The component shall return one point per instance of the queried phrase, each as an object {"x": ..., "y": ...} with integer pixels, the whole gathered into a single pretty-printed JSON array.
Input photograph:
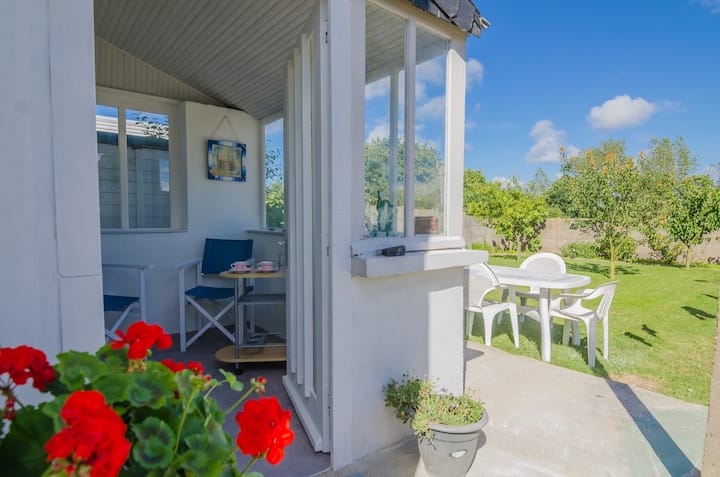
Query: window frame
[
  {"x": 450, "y": 238},
  {"x": 124, "y": 100}
]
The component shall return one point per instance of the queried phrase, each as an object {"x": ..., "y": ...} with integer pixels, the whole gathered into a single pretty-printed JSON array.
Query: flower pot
[{"x": 450, "y": 451}]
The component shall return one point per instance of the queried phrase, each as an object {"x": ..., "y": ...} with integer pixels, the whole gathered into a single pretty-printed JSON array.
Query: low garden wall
[{"x": 557, "y": 232}]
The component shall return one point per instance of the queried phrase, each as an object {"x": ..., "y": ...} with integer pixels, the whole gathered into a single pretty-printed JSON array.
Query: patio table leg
[{"x": 545, "y": 323}]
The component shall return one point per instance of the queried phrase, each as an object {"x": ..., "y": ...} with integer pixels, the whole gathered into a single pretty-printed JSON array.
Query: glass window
[
  {"x": 430, "y": 79},
  {"x": 274, "y": 175},
  {"x": 108, "y": 157},
  {"x": 384, "y": 123},
  {"x": 148, "y": 169},
  {"x": 133, "y": 167},
  {"x": 386, "y": 189}
]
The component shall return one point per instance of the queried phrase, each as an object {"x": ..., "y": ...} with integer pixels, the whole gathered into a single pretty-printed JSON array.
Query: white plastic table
[{"x": 545, "y": 282}]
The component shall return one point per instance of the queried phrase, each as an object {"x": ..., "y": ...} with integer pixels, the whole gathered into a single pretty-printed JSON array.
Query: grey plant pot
[{"x": 450, "y": 451}]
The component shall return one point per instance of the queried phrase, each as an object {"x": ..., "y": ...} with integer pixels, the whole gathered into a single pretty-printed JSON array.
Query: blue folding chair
[
  {"x": 217, "y": 257},
  {"x": 122, "y": 305}
]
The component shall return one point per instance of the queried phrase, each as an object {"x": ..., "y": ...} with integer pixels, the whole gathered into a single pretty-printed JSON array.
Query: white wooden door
[{"x": 307, "y": 379}]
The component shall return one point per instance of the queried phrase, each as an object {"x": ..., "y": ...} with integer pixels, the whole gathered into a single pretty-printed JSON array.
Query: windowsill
[
  {"x": 268, "y": 231},
  {"x": 412, "y": 262},
  {"x": 140, "y": 231}
]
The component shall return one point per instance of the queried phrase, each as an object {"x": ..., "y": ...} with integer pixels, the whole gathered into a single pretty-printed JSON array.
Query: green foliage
[
  {"x": 274, "y": 188},
  {"x": 579, "y": 250},
  {"x": 515, "y": 213},
  {"x": 695, "y": 212},
  {"x": 603, "y": 185},
  {"x": 624, "y": 246},
  {"x": 176, "y": 427},
  {"x": 417, "y": 399}
]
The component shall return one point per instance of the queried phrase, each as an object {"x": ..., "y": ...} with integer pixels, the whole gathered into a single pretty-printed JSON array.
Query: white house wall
[
  {"x": 50, "y": 287},
  {"x": 215, "y": 209}
]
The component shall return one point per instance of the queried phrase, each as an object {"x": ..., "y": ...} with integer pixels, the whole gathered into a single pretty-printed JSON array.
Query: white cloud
[
  {"x": 712, "y": 5},
  {"x": 432, "y": 71},
  {"x": 474, "y": 72},
  {"x": 432, "y": 109},
  {"x": 548, "y": 141},
  {"x": 378, "y": 88},
  {"x": 379, "y": 131},
  {"x": 621, "y": 112}
]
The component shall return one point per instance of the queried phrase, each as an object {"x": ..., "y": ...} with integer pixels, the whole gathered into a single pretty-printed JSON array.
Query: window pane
[
  {"x": 108, "y": 157},
  {"x": 148, "y": 169},
  {"x": 274, "y": 176},
  {"x": 430, "y": 87},
  {"x": 384, "y": 122}
]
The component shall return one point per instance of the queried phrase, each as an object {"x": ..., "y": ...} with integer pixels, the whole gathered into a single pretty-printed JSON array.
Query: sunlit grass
[{"x": 662, "y": 328}]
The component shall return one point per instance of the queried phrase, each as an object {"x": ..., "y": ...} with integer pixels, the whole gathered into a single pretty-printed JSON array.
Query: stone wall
[{"x": 557, "y": 232}]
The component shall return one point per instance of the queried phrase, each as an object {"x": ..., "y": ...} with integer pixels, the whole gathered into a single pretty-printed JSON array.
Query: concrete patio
[{"x": 551, "y": 421}]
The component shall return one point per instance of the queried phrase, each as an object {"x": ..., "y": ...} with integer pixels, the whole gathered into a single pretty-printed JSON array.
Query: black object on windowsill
[{"x": 393, "y": 251}]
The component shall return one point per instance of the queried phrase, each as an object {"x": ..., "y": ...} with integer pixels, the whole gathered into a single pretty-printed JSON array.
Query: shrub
[
  {"x": 624, "y": 248},
  {"x": 579, "y": 250}
]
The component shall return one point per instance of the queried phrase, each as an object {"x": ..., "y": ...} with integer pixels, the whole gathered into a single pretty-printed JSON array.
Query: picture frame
[{"x": 226, "y": 160}]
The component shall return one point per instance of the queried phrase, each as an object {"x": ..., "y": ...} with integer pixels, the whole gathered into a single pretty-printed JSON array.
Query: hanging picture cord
[{"x": 225, "y": 119}]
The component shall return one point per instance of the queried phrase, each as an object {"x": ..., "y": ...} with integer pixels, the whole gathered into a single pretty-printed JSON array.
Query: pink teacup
[
  {"x": 239, "y": 267},
  {"x": 266, "y": 265}
]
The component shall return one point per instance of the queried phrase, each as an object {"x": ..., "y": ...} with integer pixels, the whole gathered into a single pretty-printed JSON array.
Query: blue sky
[{"x": 574, "y": 73}]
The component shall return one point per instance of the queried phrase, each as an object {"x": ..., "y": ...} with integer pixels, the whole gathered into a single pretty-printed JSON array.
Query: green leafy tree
[
  {"x": 539, "y": 184},
  {"x": 274, "y": 187},
  {"x": 515, "y": 213},
  {"x": 695, "y": 213},
  {"x": 604, "y": 184},
  {"x": 661, "y": 168}
]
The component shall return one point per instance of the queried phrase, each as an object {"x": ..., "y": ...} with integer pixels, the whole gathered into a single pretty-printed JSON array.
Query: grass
[{"x": 662, "y": 328}]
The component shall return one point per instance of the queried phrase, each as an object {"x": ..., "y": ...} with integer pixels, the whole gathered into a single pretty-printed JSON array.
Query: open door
[{"x": 307, "y": 179}]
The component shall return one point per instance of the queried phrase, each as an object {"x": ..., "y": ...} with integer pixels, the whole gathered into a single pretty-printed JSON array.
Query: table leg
[{"x": 545, "y": 323}]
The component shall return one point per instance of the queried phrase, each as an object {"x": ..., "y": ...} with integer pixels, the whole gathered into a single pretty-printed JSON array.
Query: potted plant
[{"x": 447, "y": 426}]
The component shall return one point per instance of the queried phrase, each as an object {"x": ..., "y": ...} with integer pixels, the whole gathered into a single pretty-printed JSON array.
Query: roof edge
[{"x": 461, "y": 13}]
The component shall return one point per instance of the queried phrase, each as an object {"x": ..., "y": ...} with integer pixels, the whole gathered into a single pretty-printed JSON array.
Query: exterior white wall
[
  {"x": 409, "y": 323},
  {"x": 50, "y": 287},
  {"x": 384, "y": 327},
  {"x": 215, "y": 209}
]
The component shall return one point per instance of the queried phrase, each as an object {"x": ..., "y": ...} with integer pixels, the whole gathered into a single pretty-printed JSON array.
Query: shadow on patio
[{"x": 551, "y": 421}]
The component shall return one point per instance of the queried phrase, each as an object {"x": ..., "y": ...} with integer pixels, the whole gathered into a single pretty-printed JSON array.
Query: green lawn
[{"x": 662, "y": 328}]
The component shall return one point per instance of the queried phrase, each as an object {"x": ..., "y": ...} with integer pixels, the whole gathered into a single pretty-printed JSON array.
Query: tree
[
  {"x": 539, "y": 184},
  {"x": 604, "y": 183},
  {"x": 513, "y": 212},
  {"x": 695, "y": 213},
  {"x": 274, "y": 188},
  {"x": 661, "y": 169}
]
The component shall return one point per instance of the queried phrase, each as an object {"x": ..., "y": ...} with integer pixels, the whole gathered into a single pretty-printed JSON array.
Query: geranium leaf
[
  {"x": 154, "y": 447},
  {"x": 76, "y": 368},
  {"x": 150, "y": 388},
  {"x": 21, "y": 450},
  {"x": 232, "y": 380},
  {"x": 115, "y": 387},
  {"x": 115, "y": 359}
]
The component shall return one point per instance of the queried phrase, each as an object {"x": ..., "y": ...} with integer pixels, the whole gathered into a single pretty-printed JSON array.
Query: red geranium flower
[
  {"x": 175, "y": 366},
  {"x": 94, "y": 436},
  {"x": 25, "y": 362},
  {"x": 141, "y": 337},
  {"x": 264, "y": 429}
]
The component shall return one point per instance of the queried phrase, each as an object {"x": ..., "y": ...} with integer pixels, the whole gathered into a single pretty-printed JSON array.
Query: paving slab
[{"x": 548, "y": 421}]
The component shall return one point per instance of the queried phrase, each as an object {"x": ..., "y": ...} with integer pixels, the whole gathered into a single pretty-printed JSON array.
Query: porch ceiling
[{"x": 231, "y": 50}]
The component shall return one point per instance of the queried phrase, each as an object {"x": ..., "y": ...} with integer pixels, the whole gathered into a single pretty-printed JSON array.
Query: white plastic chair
[
  {"x": 575, "y": 312},
  {"x": 124, "y": 304},
  {"x": 479, "y": 281}
]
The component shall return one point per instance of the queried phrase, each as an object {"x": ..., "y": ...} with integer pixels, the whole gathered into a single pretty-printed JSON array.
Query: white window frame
[
  {"x": 454, "y": 140},
  {"x": 124, "y": 100}
]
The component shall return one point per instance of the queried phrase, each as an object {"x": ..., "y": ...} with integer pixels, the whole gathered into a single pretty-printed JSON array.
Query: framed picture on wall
[{"x": 226, "y": 161}]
